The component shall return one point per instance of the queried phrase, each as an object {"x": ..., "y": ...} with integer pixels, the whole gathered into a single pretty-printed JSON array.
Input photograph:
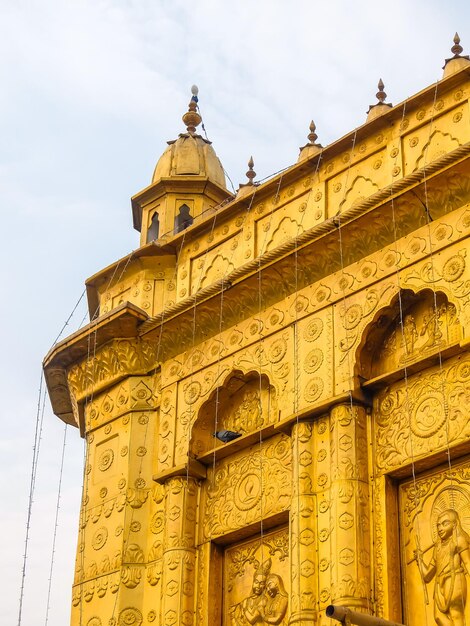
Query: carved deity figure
[
  {"x": 431, "y": 328},
  {"x": 449, "y": 566},
  {"x": 276, "y": 605},
  {"x": 410, "y": 334},
  {"x": 251, "y": 609},
  {"x": 267, "y": 603}
]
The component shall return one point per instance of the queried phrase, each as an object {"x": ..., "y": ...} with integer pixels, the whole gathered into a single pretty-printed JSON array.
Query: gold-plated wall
[{"x": 337, "y": 347}]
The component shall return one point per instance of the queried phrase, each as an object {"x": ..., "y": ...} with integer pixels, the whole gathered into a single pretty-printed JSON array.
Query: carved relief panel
[
  {"x": 247, "y": 487},
  {"x": 413, "y": 328},
  {"x": 315, "y": 358},
  {"x": 435, "y": 546},
  {"x": 424, "y": 414},
  {"x": 242, "y": 405},
  {"x": 256, "y": 580}
]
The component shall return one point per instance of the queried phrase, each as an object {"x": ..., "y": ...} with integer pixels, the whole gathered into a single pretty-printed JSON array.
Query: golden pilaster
[
  {"x": 349, "y": 495},
  {"x": 179, "y": 552},
  {"x": 303, "y": 511}
]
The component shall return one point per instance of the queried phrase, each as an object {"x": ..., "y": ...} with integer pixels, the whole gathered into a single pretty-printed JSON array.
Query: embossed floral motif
[
  {"x": 105, "y": 459},
  {"x": 313, "y": 360},
  {"x": 352, "y": 316},
  {"x": 130, "y": 617},
  {"x": 313, "y": 389},
  {"x": 99, "y": 538},
  {"x": 453, "y": 268},
  {"x": 192, "y": 391},
  {"x": 313, "y": 329}
]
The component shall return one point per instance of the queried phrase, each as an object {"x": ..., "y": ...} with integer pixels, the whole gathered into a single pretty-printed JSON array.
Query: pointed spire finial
[
  {"x": 458, "y": 61},
  {"x": 251, "y": 172},
  {"x": 381, "y": 95},
  {"x": 456, "y": 48},
  {"x": 312, "y": 136},
  {"x": 191, "y": 118}
]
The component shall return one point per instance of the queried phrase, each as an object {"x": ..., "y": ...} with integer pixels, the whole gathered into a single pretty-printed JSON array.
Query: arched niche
[
  {"x": 154, "y": 228},
  {"x": 413, "y": 328},
  {"x": 244, "y": 403}
]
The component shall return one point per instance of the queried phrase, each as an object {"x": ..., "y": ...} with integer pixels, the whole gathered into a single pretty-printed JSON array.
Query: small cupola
[{"x": 187, "y": 181}]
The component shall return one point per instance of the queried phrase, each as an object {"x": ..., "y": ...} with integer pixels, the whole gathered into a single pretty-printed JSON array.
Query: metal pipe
[{"x": 348, "y": 616}]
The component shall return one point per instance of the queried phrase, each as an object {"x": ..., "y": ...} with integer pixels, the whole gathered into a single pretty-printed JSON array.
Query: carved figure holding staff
[{"x": 449, "y": 566}]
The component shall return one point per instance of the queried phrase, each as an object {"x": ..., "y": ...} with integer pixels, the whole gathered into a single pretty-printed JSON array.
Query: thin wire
[
  {"x": 31, "y": 494},
  {"x": 69, "y": 318},
  {"x": 56, "y": 525}
]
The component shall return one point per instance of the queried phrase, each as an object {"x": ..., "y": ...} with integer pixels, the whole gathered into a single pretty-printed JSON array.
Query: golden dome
[{"x": 190, "y": 154}]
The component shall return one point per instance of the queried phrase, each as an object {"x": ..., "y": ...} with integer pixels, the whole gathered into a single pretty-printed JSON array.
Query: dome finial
[
  {"x": 312, "y": 147},
  {"x": 380, "y": 107},
  {"x": 191, "y": 118},
  {"x": 458, "y": 61},
  {"x": 381, "y": 95},
  {"x": 251, "y": 172},
  {"x": 312, "y": 136},
  {"x": 456, "y": 48}
]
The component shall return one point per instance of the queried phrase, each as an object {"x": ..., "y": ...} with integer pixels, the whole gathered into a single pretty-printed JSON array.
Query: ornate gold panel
[
  {"x": 248, "y": 487},
  {"x": 422, "y": 415},
  {"x": 257, "y": 580},
  {"x": 435, "y": 546}
]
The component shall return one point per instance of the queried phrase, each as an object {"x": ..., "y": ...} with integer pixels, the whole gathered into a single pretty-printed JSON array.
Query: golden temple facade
[{"x": 323, "y": 317}]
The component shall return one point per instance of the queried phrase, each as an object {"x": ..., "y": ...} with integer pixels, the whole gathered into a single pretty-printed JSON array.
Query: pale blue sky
[{"x": 91, "y": 91}]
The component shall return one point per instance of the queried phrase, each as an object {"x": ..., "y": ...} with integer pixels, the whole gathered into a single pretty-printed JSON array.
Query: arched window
[
  {"x": 154, "y": 227},
  {"x": 183, "y": 219}
]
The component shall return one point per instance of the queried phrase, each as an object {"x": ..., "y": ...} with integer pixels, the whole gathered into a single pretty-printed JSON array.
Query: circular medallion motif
[
  {"x": 314, "y": 389},
  {"x": 106, "y": 459},
  {"x": 103, "y": 492},
  {"x": 151, "y": 616},
  {"x": 143, "y": 419},
  {"x": 313, "y": 329},
  {"x": 141, "y": 451},
  {"x": 277, "y": 350},
  {"x": 107, "y": 429},
  {"x": 192, "y": 391},
  {"x": 156, "y": 525},
  {"x": 248, "y": 492},
  {"x": 94, "y": 621},
  {"x": 323, "y": 565},
  {"x": 352, "y": 316},
  {"x": 318, "y": 196},
  {"x": 124, "y": 450},
  {"x": 99, "y": 538},
  {"x": 313, "y": 360},
  {"x": 453, "y": 268},
  {"x": 140, "y": 483},
  {"x": 429, "y": 416},
  {"x": 463, "y": 372},
  {"x": 130, "y": 617}
]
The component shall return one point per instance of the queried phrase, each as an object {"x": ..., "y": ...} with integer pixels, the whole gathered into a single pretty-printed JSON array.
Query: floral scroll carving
[
  {"x": 120, "y": 357},
  {"x": 423, "y": 414},
  {"x": 236, "y": 494},
  {"x": 414, "y": 327}
]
